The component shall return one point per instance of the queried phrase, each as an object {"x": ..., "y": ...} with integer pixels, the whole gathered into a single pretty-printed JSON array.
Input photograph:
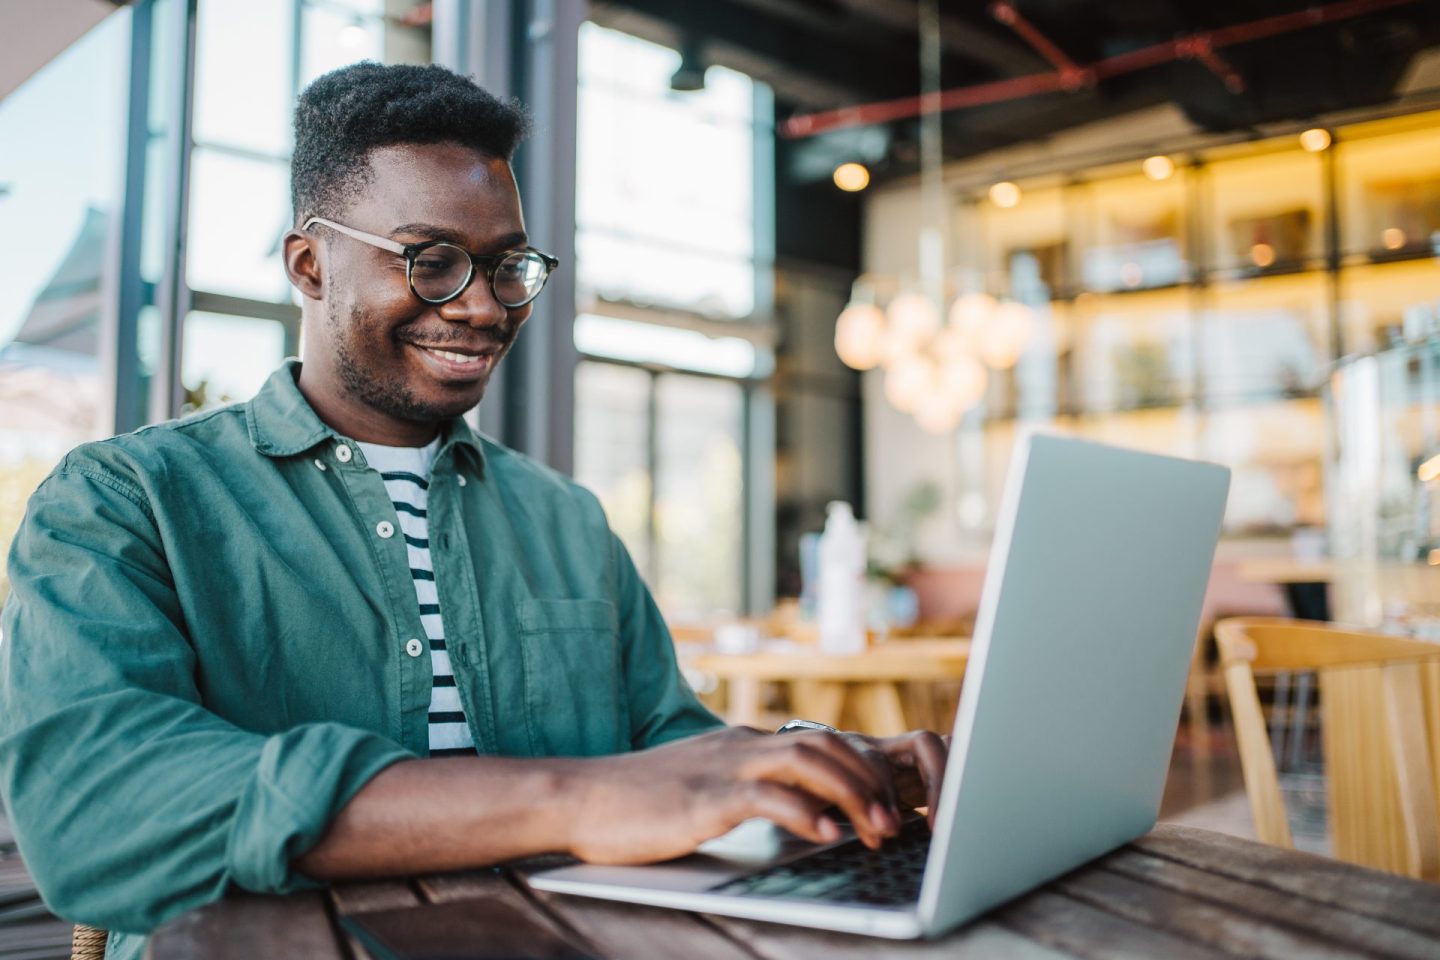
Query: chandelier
[{"x": 936, "y": 361}]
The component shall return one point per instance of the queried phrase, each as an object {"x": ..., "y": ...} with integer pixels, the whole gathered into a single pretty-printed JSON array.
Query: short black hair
[{"x": 348, "y": 112}]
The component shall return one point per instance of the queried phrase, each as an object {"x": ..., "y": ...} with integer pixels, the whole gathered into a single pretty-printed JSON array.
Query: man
[{"x": 334, "y": 633}]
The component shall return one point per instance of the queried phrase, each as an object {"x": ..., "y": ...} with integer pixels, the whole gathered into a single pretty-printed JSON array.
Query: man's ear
[{"x": 303, "y": 264}]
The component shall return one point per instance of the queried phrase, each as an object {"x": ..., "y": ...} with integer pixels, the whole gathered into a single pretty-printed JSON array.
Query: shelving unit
[{"x": 1200, "y": 314}]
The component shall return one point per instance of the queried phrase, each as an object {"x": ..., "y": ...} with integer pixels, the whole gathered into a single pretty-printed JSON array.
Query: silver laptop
[{"x": 1065, "y": 724}]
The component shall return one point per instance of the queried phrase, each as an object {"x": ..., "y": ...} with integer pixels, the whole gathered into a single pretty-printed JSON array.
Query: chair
[
  {"x": 1380, "y": 726},
  {"x": 87, "y": 943}
]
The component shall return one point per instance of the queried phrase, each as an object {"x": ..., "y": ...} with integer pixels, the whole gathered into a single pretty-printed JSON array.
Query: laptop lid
[{"x": 1086, "y": 626}]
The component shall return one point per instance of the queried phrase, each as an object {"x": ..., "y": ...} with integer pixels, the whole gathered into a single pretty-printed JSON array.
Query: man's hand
[
  {"x": 664, "y": 802},
  {"x": 914, "y": 763}
]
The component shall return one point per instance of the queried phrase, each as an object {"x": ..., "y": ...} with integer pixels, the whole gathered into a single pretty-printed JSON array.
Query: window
[
  {"x": 251, "y": 62},
  {"x": 667, "y": 260},
  {"x": 59, "y": 200},
  {"x": 664, "y": 191}
]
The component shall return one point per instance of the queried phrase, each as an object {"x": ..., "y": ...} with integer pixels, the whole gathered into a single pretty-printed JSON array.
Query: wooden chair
[
  {"x": 1380, "y": 725},
  {"x": 87, "y": 943}
]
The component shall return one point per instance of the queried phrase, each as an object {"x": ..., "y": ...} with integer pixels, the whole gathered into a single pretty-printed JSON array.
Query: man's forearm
[{"x": 420, "y": 816}]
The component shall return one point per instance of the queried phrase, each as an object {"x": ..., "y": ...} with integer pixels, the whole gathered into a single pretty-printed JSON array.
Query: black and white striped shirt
[{"x": 406, "y": 472}]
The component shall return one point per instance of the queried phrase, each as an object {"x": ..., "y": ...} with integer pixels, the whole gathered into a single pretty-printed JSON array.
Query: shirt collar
[{"x": 283, "y": 424}]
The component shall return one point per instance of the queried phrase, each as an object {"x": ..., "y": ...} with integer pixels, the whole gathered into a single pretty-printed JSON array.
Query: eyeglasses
[{"x": 439, "y": 271}]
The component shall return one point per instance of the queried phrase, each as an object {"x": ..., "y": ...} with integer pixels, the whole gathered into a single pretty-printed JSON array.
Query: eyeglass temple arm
[{"x": 384, "y": 243}]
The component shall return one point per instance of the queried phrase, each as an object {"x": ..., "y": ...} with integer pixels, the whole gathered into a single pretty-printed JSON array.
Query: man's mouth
[{"x": 451, "y": 364}]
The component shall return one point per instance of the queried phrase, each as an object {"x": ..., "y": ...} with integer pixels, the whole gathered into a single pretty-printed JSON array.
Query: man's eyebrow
[{"x": 431, "y": 231}]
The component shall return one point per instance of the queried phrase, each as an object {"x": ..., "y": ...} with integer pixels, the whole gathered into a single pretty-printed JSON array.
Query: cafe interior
[{"x": 853, "y": 251}]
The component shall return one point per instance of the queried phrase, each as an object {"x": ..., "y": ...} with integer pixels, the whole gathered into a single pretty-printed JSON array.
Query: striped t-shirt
[{"x": 406, "y": 472}]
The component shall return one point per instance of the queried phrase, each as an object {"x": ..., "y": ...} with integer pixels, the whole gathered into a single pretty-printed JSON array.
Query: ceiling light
[
  {"x": 1158, "y": 167},
  {"x": 1262, "y": 255},
  {"x": 860, "y": 335},
  {"x": 1315, "y": 139},
  {"x": 1393, "y": 238},
  {"x": 690, "y": 75},
  {"x": 352, "y": 36},
  {"x": 1005, "y": 194},
  {"x": 852, "y": 177}
]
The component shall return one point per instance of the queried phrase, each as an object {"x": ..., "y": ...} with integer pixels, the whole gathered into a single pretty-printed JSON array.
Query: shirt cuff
[{"x": 304, "y": 778}]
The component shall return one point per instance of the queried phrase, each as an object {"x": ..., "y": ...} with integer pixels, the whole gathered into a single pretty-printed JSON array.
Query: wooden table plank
[
  {"x": 496, "y": 887},
  {"x": 627, "y": 930},
  {"x": 360, "y": 896},
  {"x": 1337, "y": 925},
  {"x": 1177, "y": 893},
  {"x": 1082, "y": 930},
  {"x": 246, "y": 926},
  {"x": 1397, "y": 900},
  {"x": 1197, "y": 920},
  {"x": 976, "y": 942}
]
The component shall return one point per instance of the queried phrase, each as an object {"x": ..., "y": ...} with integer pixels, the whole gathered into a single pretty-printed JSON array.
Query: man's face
[{"x": 381, "y": 345}]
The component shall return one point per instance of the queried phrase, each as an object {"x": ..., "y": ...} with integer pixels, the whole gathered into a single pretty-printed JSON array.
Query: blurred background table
[{"x": 893, "y": 686}]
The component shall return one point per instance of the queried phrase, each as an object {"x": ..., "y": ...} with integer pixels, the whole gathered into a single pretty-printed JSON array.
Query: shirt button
[
  {"x": 462, "y": 481},
  {"x": 342, "y": 453},
  {"x": 414, "y": 647},
  {"x": 385, "y": 529}
]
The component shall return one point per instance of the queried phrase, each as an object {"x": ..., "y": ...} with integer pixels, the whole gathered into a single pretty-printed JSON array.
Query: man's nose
[{"x": 477, "y": 306}]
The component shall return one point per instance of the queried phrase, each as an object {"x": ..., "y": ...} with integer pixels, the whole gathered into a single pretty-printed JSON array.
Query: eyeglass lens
[{"x": 440, "y": 272}]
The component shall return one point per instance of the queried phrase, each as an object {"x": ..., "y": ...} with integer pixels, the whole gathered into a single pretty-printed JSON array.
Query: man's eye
[{"x": 432, "y": 264}]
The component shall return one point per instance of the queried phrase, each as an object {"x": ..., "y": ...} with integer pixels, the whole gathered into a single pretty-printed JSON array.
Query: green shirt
[{"x": 208, "y": 649}]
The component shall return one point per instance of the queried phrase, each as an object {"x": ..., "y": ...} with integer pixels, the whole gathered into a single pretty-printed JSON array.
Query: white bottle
[{"x": 841, "y": 601}]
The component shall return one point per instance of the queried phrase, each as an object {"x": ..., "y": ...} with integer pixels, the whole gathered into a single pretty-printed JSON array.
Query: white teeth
[{"x": 454, "y": 357}]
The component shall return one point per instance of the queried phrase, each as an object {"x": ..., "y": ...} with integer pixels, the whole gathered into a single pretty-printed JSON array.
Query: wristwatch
[{"x": 794, "y": 726}]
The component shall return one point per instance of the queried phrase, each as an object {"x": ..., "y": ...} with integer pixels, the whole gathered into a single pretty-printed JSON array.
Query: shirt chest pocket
[{"x": 574, "y": 681}]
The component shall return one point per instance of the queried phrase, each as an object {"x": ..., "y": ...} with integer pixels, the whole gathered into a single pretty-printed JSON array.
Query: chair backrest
[{"x": 1380, "y": 725}]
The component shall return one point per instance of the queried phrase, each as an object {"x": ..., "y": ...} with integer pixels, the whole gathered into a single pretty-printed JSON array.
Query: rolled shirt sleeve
[{"x": 130, "y": 801}]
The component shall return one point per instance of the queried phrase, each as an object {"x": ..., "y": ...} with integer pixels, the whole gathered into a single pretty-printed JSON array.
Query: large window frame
[{"x": 757, "y": 550}]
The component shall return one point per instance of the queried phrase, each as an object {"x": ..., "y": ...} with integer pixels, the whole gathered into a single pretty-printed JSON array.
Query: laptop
[{"x": 1064, "y": 728}]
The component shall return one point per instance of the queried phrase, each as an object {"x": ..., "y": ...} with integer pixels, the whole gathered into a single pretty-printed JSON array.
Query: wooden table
[
  {"x": 1176, "y": 893},
  {"x": 870, "y": 686}
]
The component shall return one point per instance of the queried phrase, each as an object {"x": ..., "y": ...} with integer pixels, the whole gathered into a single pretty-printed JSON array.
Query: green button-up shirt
[{"x": 204, "y": 653}]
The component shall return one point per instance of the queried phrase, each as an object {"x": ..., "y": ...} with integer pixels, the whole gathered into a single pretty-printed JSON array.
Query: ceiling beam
[
  {"x": 841, "y": 59},
  {"x": 991, "y": 48}
]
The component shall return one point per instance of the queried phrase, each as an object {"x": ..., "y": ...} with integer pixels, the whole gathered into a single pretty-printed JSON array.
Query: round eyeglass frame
[
  {"x": 491, "y": 263},
  {"x": 411, "y": 250}
]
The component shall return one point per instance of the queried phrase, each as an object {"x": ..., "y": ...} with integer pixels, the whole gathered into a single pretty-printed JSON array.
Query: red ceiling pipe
[
  {"x": 1198, "y": 46},
  {"x": 1069, "y": 70}
]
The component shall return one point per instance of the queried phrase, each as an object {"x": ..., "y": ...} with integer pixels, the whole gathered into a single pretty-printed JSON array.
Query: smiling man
[{"x": 332, "y": 632}]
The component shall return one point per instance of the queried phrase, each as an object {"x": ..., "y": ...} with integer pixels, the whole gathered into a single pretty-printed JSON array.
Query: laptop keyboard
[{"x": 848, "y": 873}]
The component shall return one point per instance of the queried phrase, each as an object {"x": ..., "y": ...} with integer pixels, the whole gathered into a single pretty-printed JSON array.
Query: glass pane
[
  {"x": 1390, "y": 191},
  {"x": 612, "y": 425},
  {"x": 332, "y": 39},
  {"x": 663, "y": 221},
  {"x": 227, "y": 358},
  {"x": 239, "y": 210},
  {"x": 627, "y": 270},
  {"x": 699, "y": 497},
  {"x": 1132, "y": 233},
  {"x": 1381, "y": 303},
  {"x": 243, "y": 75},
  {"x": 1132, "y": 350},
  {"x": 60, "y": 185},
  {"x": 1264, "y": 339},
  {"x": 1267, "y": 212}
]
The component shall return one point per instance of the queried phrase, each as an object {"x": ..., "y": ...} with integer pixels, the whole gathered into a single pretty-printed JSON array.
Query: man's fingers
[
  {"x": 921, "y": 756},
  {"x": 861, "y": 756},
  {"x": 788, "y": 807},
  {"x": 931, "y": 753},
  {"x": 803, "y": 766}
]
